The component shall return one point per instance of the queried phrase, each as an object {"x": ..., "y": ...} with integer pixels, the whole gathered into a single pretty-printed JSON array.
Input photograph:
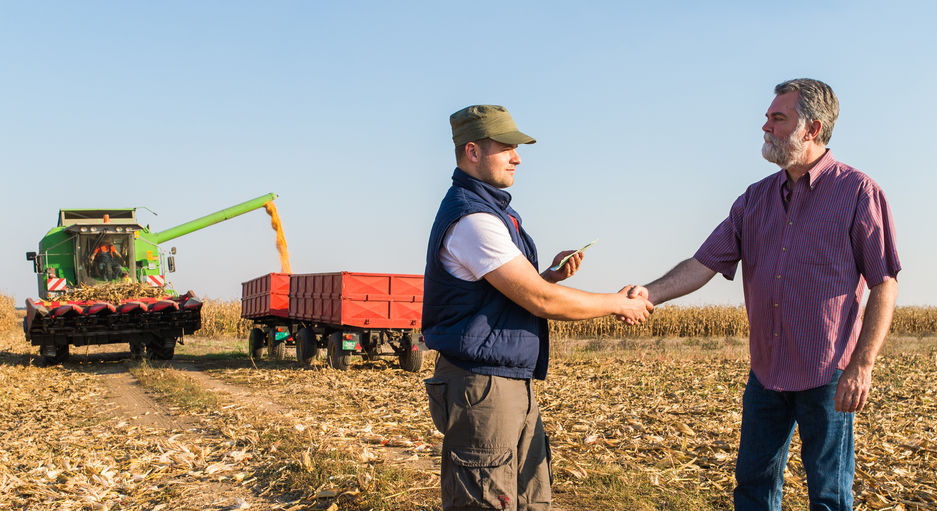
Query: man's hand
[
  {"x": 637, "y": 291},
  {"x": 567, "y": 270},
  {"x": 636, "y": 309},
  {"x": 852, "y": 391}
]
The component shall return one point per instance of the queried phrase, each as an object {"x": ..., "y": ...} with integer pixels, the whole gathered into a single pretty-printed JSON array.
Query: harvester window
[{"x": 103, "y": 257}]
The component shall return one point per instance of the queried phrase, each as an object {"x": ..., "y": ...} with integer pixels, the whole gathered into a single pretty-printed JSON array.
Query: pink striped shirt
[{"x": 804, "y": 270}]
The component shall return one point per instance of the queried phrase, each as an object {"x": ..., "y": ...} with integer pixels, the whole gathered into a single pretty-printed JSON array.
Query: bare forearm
[
  {"x": 518, "y": 280},
  {"x": 686, "y": 277},
  {"x": 875, "y": 323},
  {"x": 565, "y": 303}
]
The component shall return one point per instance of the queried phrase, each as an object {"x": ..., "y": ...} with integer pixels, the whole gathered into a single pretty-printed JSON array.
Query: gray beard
[{"x": 784, "y": 153}]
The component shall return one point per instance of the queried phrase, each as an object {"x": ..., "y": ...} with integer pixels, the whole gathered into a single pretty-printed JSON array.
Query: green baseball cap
[{"x": 486, "y": 121}]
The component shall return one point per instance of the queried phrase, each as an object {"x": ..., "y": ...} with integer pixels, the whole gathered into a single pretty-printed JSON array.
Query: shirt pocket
[{"x": 821, "y": 243}]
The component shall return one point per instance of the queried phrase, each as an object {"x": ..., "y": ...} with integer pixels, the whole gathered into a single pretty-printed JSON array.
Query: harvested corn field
[{"x": 635, "y": 424}]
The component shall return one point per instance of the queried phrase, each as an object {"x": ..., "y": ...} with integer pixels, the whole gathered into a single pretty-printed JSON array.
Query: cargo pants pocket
[
  {"x": 480, "y": 479},
  {"x": 438, "y": 404}
]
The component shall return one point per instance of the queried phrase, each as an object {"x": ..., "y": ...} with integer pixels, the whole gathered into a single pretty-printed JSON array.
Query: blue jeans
[{"x": 768, "y": 419}]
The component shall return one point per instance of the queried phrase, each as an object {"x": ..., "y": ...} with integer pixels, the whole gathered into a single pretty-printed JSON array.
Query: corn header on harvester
[{"x": 91, "y": 247}]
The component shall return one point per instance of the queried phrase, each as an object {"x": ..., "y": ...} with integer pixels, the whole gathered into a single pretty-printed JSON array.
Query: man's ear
[
  {"x": 473, "y": 152},
  {"x": 813, "y": 130}
]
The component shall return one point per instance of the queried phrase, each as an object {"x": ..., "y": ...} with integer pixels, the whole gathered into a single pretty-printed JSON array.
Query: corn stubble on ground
[{"x": 635, "y": 423}]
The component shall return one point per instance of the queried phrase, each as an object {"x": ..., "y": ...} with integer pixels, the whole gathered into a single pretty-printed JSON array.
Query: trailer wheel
[
  {"x": 411, "y": 360},
  {"x": 276, "y": 350},
  {"x": 256, "y": 342},
  {"x": 338, "y": 358},
  {"x": 307, "y": 349}
]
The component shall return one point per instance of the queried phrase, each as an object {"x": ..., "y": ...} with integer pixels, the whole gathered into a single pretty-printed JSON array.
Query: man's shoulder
[
  {"x": 840, "y": 171},
  {"x": 762, "y": 186},
  {"x": 464, "y": 201}
]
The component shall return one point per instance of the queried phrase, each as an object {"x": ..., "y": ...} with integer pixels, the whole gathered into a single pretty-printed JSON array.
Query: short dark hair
[
  {"x": 484, "y": 143},
  {"x": 816, "y": 102}
]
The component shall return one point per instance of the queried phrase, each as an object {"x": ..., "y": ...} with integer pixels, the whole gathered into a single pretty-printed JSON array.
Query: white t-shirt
[{"x": 476, "y": 245}]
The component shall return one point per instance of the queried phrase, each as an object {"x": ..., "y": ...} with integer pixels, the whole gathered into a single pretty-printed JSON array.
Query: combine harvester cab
[
  {"x": 95, "y": 247},
  {"x": 335, "y": 316}
]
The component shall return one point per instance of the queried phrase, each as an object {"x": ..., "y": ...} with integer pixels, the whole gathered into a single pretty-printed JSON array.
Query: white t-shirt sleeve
[{"x": 476, "y": 245}]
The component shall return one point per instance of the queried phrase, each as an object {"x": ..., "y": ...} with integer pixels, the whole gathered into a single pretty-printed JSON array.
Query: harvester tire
[
  {"x": 411, "y": 360},
  {"x": 256, "y": 343},
  {"x": 338, "y": 358},
  {"x": 61, "y": 355},
  {"x": 157, "y": 349},
  {"x": 136, "y": 350},
  {"x": 307, "y": 349}
]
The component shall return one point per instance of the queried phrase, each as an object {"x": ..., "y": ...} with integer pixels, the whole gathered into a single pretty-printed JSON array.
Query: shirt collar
[{"x": 818, "y": 170}]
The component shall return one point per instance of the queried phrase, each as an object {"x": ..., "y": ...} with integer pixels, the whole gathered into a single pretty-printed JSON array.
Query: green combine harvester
[{"x": 93, "y": 247}]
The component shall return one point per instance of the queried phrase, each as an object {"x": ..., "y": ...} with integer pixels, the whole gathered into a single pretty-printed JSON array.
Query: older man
[
  {"x": 484, "y": 310},
  {"x": 809, "y": 238}
]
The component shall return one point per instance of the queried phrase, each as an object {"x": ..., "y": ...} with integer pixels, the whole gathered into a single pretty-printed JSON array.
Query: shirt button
[
  {"x": 775, "y": 306},
  {"x": 790, "y": 223},
  {"x": 775, "y": 334},
  {"x": 779, "y": 276},
  {"x": 783, "y": 249}
]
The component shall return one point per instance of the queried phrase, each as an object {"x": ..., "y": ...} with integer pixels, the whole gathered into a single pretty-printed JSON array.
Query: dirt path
[
  {"x": 246, "y": 396},
  {"x": 129, "y": 400}
]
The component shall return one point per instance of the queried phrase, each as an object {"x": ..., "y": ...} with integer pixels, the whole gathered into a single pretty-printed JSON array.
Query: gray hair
[{"x": 815, "y": 103}]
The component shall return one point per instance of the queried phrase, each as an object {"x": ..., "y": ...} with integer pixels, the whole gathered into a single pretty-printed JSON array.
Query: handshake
[
  {"x": 636, "y": 305},
  {"x": 631, "y": 304}
]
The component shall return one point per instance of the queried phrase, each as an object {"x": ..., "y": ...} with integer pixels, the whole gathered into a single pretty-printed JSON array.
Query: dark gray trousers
[{"x": 495, "y": 454}]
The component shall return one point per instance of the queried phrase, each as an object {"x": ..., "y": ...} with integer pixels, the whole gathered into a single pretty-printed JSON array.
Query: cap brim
[{"x": 513, "y": 137}]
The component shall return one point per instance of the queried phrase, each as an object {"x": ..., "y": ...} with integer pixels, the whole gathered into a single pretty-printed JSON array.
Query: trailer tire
[
  {"x": 338, "y": 359},
  {"x": 307, "y": 349},
  {"x": 276, "y": 350},
  {"x": 256, "y": 342},
  {"x": 411, "y": 360}
]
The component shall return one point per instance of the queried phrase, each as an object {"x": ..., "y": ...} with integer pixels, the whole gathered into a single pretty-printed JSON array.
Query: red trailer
[{"x": 337, "y": 315}]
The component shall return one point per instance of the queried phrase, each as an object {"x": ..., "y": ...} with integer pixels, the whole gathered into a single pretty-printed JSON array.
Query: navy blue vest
[{"x": 471, "y": 323}]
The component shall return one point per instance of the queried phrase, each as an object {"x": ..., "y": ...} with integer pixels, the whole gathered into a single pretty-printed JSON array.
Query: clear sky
[{"x": 647, "y": 116}]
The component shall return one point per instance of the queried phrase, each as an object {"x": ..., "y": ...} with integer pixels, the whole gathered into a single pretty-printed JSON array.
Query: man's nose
[
  {"x": 766, "y": 127},
  {"x": 515, "y": 157}
]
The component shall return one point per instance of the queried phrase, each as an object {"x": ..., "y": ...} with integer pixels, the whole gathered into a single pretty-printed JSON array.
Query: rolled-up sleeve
[
  {"x": 873, "y": 236},
  {"x": 722, "y": 250}
]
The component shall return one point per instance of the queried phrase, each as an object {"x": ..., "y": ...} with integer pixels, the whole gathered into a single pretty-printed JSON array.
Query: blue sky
[{"x": 647, "y": 116}]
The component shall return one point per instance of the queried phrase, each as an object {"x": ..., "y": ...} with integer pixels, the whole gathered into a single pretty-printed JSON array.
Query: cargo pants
[{"x": 495, "y": 454}]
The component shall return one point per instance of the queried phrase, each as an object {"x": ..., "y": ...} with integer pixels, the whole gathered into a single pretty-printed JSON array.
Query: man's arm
[
  {"x": 518, "y": 280},
  {"x": 684, "y": 278},
  {"x": 852, "y": 392}
]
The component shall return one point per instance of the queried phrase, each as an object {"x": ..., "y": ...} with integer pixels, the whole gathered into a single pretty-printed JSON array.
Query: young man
[
  {"x": 484, "y": 310},
  {"x": 809, "y": 238}
]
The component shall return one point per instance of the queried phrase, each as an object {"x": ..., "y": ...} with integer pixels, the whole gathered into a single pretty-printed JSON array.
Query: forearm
[
  {"x": 519, "y": 281},
  {"x": 875, "y": 323},
  {"x": 686, "y": 277},
  {"x": 554, "y": 301}
]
